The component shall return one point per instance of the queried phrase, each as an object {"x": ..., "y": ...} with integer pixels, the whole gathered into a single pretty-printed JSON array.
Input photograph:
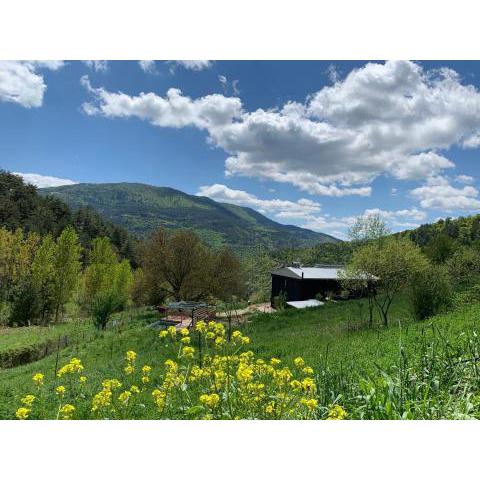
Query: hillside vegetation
[
  {"x": 141, "y": 209},
  {"x": 21, "y": 207}
]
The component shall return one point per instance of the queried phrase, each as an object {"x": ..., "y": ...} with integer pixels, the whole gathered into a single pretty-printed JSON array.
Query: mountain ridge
[{"x": 141, "y": 208}]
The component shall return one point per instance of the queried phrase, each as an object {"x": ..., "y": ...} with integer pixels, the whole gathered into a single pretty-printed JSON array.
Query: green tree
[
  {"x": 430, "y": 290},
  {"x": 107, "y": 283},
  {"x": 440, "y": 248},
  {"x": 43, "y": 277},
  {"x": 464, "y": 266},
  {"x": 66, "y": 267},
  {"x": 368, "y": 227},
  {"x": 391, "y": 264}
]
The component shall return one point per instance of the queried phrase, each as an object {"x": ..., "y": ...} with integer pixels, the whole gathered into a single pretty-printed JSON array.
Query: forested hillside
[
  {"x": 22, "y": 207},
  {"x": 142, "y": 209}
]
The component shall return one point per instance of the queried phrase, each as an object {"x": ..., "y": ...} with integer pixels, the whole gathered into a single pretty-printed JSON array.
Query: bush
[{"x": 430, "y": 291}]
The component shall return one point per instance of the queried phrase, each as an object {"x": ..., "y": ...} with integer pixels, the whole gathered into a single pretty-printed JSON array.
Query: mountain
[{"x": 143, "y": 208}]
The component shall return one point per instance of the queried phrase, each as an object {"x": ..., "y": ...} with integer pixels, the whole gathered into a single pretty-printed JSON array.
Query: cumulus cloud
[
  {"x": 307, "y": 213},
  {"x": 277, "y": 207},
  {"x": 147, "y": 66},
  {"x": 21, "y": 82},
  {"x": 438, "y": 194},
  {"x": 392, "y": 118},
  {"x": 97, "y": 65},
  {"x": 174, "y": 110},
  {"x": 195, "y": 65},
  {"x": 43, "y": 181}
]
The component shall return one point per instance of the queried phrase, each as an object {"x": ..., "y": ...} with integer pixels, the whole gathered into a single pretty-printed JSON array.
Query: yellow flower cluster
[
  {"x": 104, "y": 398},
  {"x": 38, "y": 379},
  {"x": 130, "y": 358},
  {"x": 73, "y": 366},
  {"x": 66, "y": 412},
  {"x": 22, "y": 413},
  {"x": 337, "y": 412},
  {"x": 217, "y": 379},
  {"x": 60, "y": 390},
  {"x": 211, "y": 400}
]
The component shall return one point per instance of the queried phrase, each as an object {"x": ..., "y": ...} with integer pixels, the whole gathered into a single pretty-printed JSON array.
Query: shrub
[{"x": 430, "y": 291}]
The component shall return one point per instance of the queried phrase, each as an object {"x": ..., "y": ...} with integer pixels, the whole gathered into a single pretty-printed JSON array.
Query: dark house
[{"x": 305, "y": 283}]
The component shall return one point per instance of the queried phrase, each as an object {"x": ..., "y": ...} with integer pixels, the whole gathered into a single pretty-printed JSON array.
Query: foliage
[
  {"x": 390, "y": 263},
  {"x": 430, "y": 290},
  {"x": 440, "y": 248},
  {"x": 179, "y": 265},
  {"x": 107, "y": 283},
  {"x": 367, "y": 228},
  {"x": 22, "y": 207},
  {"x": 464, "y": 266}
]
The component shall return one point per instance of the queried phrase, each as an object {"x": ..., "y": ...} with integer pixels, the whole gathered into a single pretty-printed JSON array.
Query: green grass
[{"x": 408, "y": 370}]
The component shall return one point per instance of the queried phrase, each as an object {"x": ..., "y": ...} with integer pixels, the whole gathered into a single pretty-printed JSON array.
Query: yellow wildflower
[
  {"x": 67, "y": 411},
  {"x": 134, "y": 389},
  {"x": 171, "y": 365},
  {"x": 82, "y": 379},
  {"x": 184, "y": 332},
  {"x": 129, "y": 369},
  {"x": 28, "y": 400},
  {"x": 172, "y": 331},
  {"x": 275, "y": 361},
  {"x": 310, "y": 403},
  {"x": 102, "y": 399},
  {"x": 186, "y": 340},
  {"x": 60, "y": 390},
  {"x": 145, "y": 379},
  {"x": 146, "y": 369},
  {"x": 244, "y": 373},
  {"x": 270, "y": 408},
  {"x": 131, "y": 356},
  {"x": 159, "y": 398},
  {"x": 73, "y": 366},
  {"x": 163, "y": 334},
  {"x": 22, "y": 413},
  {"x": 124, "y": 397},
  {"x": 111, "y": 384},
  {"x": 211, "y": 400},
  {"x": 201, "y": 326},
  {"x": 219, "y": 341},
  {"x": 188, "y": 352},
  {"x": 299, "y": 362},
  {"x": 308, "y": 371},
  {"x": 337, "y": 412},
  {"x": 308, "y": 384},
  {"x": 38, "y": 379}
]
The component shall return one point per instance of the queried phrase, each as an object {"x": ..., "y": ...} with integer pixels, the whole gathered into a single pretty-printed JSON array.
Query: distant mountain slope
[{"x": 143, "y": 208}]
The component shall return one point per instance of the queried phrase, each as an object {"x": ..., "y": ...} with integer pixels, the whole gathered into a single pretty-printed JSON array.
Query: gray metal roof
[{"x": 327, "y": 272}]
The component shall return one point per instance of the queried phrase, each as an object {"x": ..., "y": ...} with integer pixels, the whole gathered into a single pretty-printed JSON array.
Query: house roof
[{"x": 324, "y": 272}]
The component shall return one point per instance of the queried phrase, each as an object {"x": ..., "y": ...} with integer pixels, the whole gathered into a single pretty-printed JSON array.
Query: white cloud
[
  {"x": 97, "y": 65},
  {"x": 174, "y": 110},
  {"x": 195, "y": 65},
  {"x": 43, "y": 181},
  {"x": 147, "y": 66},
  {"x": 20, "y": 81},
  {"x": 280, "y": 208},
  {"x": 390, "y": 119},
  {"x": 306, "y": 213},
  {"x": 438, "y": 194},
  {"x": 464, "y": 179}
]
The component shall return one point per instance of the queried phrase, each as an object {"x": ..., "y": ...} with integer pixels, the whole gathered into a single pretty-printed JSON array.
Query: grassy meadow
[{"x": 409, "y": 370}]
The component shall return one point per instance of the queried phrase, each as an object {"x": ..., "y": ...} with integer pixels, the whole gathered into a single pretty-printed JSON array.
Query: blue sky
[{"x": 308, "y": 143}]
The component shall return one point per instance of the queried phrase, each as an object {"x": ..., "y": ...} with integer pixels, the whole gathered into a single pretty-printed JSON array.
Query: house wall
[{"x": 302, "y": 289}]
